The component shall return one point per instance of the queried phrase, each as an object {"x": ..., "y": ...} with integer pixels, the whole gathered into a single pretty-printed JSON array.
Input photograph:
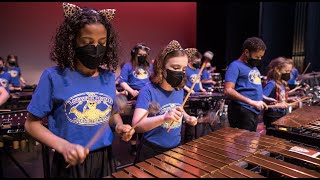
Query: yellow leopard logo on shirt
[
  {"x": 13, "y": 73},
  {"x": 164, "y": 109},
  {"x": 4, "y": 82},
  {"x": 141, "y": 75},
  {"x": 193, "y": 78},
  {"x": 89, "y": 108},
  {"x": 254, "y": 77}
]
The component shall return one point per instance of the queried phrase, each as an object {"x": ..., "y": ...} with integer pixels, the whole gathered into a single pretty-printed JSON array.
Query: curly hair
[
  {"x": 274, "y": 73},
  {"x": 254, "y": 44},
  {"x": 160, "y": 62},
  {"x": 63, "y": 50}
]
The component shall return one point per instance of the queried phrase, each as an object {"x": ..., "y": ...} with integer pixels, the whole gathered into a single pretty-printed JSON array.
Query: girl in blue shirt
[
  {"x": 77, "y": 96},
  {"x": 167, "y": 80},
  {"x": 276, "y": 90}
]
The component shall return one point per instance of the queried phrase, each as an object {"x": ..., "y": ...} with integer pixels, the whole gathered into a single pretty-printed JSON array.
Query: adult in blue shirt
[
  {"x": 13, "y": 68},
  {"x": 243, "y": 86},
  {"x": 166, "y": 89},
  {"x": 77, "y": 96}
]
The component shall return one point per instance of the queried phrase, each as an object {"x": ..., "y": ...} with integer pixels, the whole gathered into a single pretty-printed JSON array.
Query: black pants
[
  {"x": 98, "y": 164},
  {"x": 242, "y": 118},
  {"x": 271, "y": 116},
  {"x": 148, "y": 150}
]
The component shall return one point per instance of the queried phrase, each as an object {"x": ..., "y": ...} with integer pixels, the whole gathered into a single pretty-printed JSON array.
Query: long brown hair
[
  {"x": 274, "y": 74},
  {"x": 134, "y": 57}
]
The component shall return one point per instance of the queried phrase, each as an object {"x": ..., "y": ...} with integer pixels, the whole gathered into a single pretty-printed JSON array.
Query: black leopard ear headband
[{"x": 71, "y": 9}]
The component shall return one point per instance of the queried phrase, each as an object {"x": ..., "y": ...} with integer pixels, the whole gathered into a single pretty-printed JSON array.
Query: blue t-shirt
[
  {"x": 269, "y": 90},
  {"x": 5, "y": 80},
  {"x": 76, "y": 105},
  {"x": 247, "y": 82},
  {"x": 191, "y": 77},
  {"x": 293, "y": 75},
  {"x": 167, "y": 100},
  {"x": 15, "y": 73},
  {"x": 134, "y": 80},
  {"x": 206, "y": 75}
]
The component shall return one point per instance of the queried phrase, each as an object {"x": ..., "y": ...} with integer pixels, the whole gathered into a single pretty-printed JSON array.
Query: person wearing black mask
[
  {"x": 12, "y": 67},
  {"x": 5, "y": 77},
  {"x": 243, "y": 86},
  {"x": 133, "y": 76},
  {"x": 192, "y": 71},
  {"x": 166, "y": 85},
  {"x": 78, "y": 97},
  {"x": 276, "y": 90}
]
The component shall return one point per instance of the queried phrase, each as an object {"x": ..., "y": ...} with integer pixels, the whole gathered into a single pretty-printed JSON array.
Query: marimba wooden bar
[{"x": 228, "y": 153}]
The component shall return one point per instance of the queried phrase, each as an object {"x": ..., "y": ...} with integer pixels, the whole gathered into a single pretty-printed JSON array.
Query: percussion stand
[{"x": 4, "y": 150}]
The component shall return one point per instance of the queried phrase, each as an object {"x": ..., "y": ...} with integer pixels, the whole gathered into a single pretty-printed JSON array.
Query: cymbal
[{"x": 310, "y": 75}]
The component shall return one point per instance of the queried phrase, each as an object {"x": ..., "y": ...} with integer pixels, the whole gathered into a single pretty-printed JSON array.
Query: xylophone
[
  {"x": 228, "y": 153},
  {"x": 302, "y": 125}
]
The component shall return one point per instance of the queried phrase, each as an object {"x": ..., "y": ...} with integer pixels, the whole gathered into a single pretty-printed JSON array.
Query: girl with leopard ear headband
[{"x": 78, "y": 97}]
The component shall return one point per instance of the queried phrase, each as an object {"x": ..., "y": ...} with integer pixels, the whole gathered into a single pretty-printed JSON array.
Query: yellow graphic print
[
  {"x": 193, "y": 78},
  {"x": 142, "y": 74},
  {"x": 254, "y": 77},
  {"x": 83, "y": 108},
  {"x": 4, "y": 82},
  {"x": 164, "y": 109},
  {"x": 13, "y": 73}
]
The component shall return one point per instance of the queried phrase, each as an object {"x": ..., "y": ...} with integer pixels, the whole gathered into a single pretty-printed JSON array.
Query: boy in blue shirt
[{"x": 243, "y": 86}]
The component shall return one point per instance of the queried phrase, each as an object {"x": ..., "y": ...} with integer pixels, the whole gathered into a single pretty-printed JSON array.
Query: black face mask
[
  {"x": 196, "y": 65},
  {"x": 142, "y": 60},
  {"x": 254, "y": 62},
  {"x": 1, "y": 69},
  {"x": 90, "y": 56},
  {"x": 285, "y": 76},
  {"x": 208, "y": 68},
  {"x": 12, "y": 62},
  {"x": 175, "y": 78}
]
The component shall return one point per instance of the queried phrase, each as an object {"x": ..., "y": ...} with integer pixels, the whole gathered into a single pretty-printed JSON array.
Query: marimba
[
  {"x": 228, "y": 152},
  {"x": 302, "y": 125}
]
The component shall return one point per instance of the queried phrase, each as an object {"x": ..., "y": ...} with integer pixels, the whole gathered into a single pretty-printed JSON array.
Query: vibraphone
[
  {"x": 228, "y": 153},
  {"x": 302, "y": 125}
]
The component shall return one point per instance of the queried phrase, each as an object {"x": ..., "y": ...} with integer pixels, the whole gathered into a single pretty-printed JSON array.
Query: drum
[
  {"x": 231, "y": 153},
  {"x": 216, "y": 77}
]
